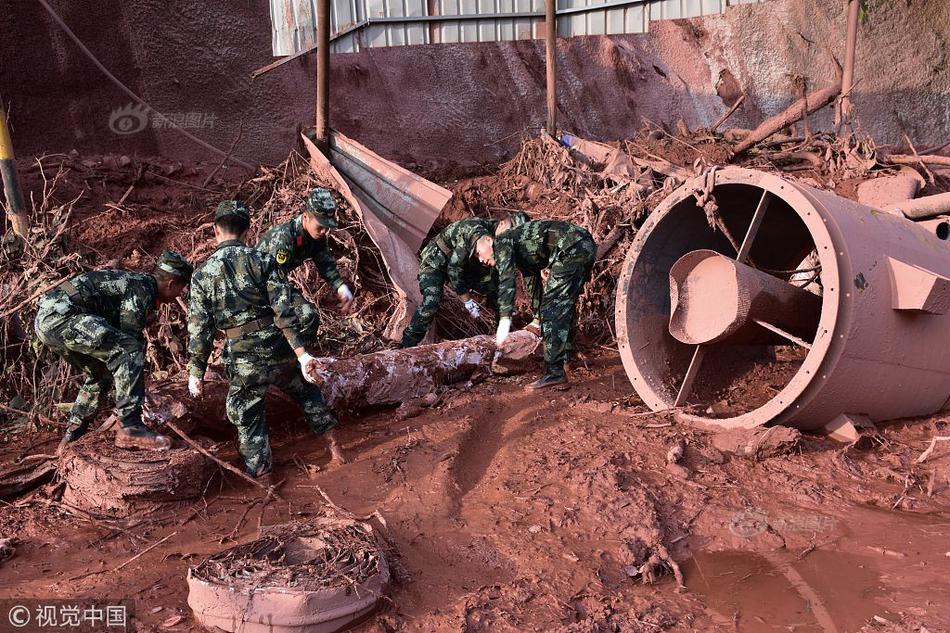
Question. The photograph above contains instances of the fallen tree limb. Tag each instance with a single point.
(906, 159)
(922, 208)
(814, 102)
(728, 113)
(198, 447)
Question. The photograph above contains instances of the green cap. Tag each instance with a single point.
(232, 207)
(320, 204)
(174, 264)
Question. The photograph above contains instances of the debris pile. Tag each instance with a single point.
(323, 574)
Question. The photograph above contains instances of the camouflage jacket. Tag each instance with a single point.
(291, 246)
(453, 250)
(237, 285)
(123, 298)
(528, 248)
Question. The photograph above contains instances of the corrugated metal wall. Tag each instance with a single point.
(356, 24)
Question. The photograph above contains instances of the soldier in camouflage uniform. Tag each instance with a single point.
(95, 321)
(462, 255)
(567, 251)
(305, 237)
(245, 293)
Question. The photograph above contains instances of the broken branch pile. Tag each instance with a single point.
(303, 556)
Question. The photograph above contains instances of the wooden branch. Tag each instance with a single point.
(904, 159)
(814, 102)
(198, 447)
(728, 113)
(930, 449)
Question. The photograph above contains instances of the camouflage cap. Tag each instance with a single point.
(174, 264)
(232, 207)
(320, 204)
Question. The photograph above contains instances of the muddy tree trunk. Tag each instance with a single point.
(395, 376)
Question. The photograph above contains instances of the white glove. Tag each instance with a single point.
(473, 308)
(195, 387)
(306, 361)
(345, 294)
(504, 326)
(534, 326)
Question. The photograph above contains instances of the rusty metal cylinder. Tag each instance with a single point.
(879, 349)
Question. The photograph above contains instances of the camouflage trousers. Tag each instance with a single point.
(307, 314)
(250, 376)
(432, 286)
(569, 269)
(107, 357)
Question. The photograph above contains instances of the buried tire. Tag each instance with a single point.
(314, 577)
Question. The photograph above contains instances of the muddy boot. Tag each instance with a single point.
(551, 379)
(140, 436)
(74, 431)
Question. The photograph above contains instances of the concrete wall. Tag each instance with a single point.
(446, 106)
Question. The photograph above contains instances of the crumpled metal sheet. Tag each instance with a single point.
(398, 209)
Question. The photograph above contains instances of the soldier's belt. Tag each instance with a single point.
(442, 245)
(71, 291)
(251, 326)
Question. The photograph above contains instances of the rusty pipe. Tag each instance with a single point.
(322, 114)
(550, 50)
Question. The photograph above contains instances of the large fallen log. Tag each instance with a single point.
(387, 377)
(396, 376)
(807, 105)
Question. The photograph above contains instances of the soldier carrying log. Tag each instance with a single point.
(95, 321)
(567, 252)
(462, 255)
(305, 237)
(245, 293)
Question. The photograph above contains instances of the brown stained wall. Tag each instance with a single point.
(450, 105)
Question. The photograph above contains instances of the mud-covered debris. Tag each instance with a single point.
(758, 443)
(675, 454)
(315, 555)
(7, 548)
(110, 482)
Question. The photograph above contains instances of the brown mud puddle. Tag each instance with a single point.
(870, 562)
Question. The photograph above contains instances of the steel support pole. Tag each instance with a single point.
(19, 219)
(550, 48)
(845, 106)
(322, 124)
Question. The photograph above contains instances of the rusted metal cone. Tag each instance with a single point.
(714, 298)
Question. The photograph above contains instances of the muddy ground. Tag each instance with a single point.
(510, 510)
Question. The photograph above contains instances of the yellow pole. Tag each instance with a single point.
(19, 219)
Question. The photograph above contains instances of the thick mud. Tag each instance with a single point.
(508, 510)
